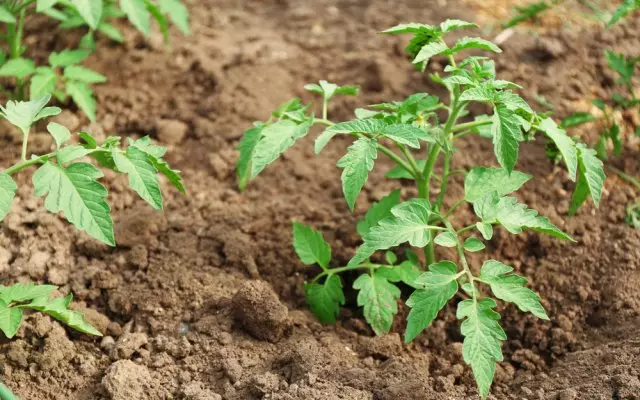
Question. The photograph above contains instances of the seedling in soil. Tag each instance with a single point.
(399, 130)
(63, 77)
(71, 186)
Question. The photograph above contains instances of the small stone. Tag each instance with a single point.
(171, 131)
(195, 391)
(107, 343)
(126, 380)
(139, 256)
(37, 265)
(258, 309)
(232, 369)
(568, 394)
(5, 258)
(128, 345)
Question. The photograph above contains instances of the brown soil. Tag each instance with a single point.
(188, 302)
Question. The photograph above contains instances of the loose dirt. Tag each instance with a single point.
(205, 302)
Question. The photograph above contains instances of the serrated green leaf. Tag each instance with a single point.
(145, 144)
(390, 257)
(172, 175)
(58, 309)
(10, 319)
(483, 335)
(475, 43)
(75, 191)
(71, 153)
(510, 288)
(143, 177)
(310, 245)
(624, 9)
(59, 132)
(82, 95)
(137, 12)
(325, 299)
(515, 216)
(453, 24)
(526, 13)
(356, 165)
(67, 58)
(409, 28)
(483, 93)
(407, 272)
(178, 14)
(369, 126)
(590, 178)
(506, 135)
(437, 287)
(485, 229)
(378, 211)
(7, 193)
(511, 100)
(623, 66)
(378, 297)
(564, 143)
(6, 16)
(159, 17)
(275, 139)
(18, 68)
(401, 173)
(473, 245)
(457, 80)
(42, 5)
(577, 119)
(83, 74)
(21, 292)
(407, 134)
(429, 50)
(111, 31)
(250, 138)
(90, 10)
(47, 112)
(42, 83)
(480, 181)
(409, 222)
(445, 239)
(23, 113)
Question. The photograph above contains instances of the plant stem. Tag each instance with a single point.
(6, 393)
(412, 161)
(397, 159)
(423, 190)
(470, 125)
(27, 163)
(337, 270)
(323, 121)
(462, 258)
(624, 176)
(445, 179)
(324, 109)
(454, 207)
(466, 229)
(25, 145)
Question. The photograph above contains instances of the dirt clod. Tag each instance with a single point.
(126, 380)
(258, 309)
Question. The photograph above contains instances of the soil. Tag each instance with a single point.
(204, 301)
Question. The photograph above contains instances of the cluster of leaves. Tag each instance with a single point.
(410, 126)
(16, 298)
(63, 77)
(527, 13)
(71, 186)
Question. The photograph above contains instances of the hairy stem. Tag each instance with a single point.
(462, 258)
(6, 393)
(443, 183)
(396, 159)
(470, 125)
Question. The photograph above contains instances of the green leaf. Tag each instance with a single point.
(590, 178)
(409, 28)
(483, 335)
(407, 134)
(480, 181)
(178, 14)
(624, 9)
(327, 90)
(21, 292)
(71, 153)
(506, 135)
(401, 173)
(409, 222)
(369, 126)
(454, 24)
(378, 211)
(67, 57)
(58, 309)
(437, 287)
(18, 68)
(619, 63)
(82, 95)
(250, 138)
(10, 319)
(512, 101)
(159, 17)
(325, 299)
(23, 113)
(407, 272)
(138, 14)
(6, 16)
(599, 103)
(429, 50)
(60, 133)
(485, 229)
(510, 288)
(111, 31)
(90, 10)
(356, 165)
(526, 13)
(42, 83)
(483, 93)
(42, 5)
(516, 216)
(311, 246)
(379, 298)
(172, 175)
(145, 144)
(576, 119)
(7, 193)
(446, 239)
(143, 177)
(473, 245)
(475, 43)
(82, 74)
(564, 143)
(274, 140)
(75, 191)
(47, 112)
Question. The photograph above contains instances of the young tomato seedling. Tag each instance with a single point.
(71, 186)
(401, 131)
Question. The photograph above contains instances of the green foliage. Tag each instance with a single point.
(526, 13)
(624, 9)
(411, 134)
(16, 298)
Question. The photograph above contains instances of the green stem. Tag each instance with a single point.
(25, 145)
(466, 229)
(324, 110)
(333, 271)
(454, 207)
(396, 159)
(462, 258)
(27, 163)
(445, 180)
(410, 159)
(6, 393)
(470, 125)
(624, 176)
(323, 121)
(427, 173)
